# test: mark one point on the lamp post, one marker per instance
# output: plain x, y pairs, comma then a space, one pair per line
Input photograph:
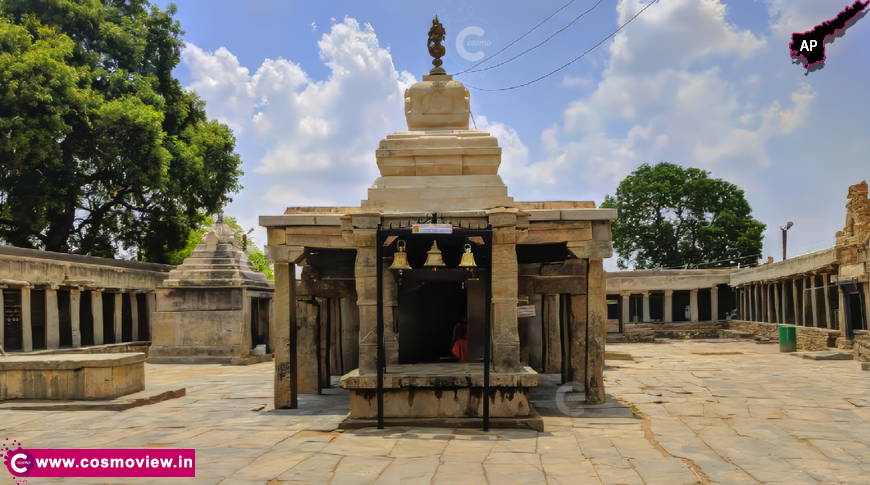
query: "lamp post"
785, 236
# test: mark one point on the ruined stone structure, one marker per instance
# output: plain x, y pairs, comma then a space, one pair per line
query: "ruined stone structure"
52, 301
213, 308
825, 293
548, 255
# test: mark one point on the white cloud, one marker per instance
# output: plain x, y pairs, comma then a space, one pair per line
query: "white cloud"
660, 99
318, 137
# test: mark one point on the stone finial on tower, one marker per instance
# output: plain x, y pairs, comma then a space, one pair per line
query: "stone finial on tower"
436, 50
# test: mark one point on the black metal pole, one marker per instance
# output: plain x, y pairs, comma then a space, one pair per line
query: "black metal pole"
380, 345
487, 325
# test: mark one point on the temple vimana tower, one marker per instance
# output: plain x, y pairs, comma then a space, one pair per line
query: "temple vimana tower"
361, 311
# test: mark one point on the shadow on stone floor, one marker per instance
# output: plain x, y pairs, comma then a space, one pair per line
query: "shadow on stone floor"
553, 399
333, 401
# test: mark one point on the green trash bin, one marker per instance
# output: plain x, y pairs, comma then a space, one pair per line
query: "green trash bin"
787, 338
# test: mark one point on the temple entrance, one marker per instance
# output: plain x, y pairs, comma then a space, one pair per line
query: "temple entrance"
428, 314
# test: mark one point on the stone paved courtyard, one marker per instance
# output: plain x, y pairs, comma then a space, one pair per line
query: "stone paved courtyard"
709, 412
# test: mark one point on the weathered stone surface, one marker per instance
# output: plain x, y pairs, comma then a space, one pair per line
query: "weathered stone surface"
596, 333
308, 347
824, 355
71, 376
433, 403
553, 340
285, 335
39, 267
591, 249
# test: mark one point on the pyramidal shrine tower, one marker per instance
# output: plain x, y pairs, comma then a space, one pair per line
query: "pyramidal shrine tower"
357, 314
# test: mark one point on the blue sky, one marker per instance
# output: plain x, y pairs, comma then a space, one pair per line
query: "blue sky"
311, 87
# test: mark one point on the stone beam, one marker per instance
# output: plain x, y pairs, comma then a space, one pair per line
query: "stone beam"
795, 266
591, 249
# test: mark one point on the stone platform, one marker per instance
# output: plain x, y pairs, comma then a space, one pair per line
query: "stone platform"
441, 390
71, 376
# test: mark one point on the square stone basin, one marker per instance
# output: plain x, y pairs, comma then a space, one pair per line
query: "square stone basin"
71, 376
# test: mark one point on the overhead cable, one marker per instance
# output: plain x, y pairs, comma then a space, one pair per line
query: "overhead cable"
518, 38
530, 49
572, 61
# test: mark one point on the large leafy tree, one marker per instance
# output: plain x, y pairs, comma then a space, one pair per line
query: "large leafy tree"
670, 216
101, 150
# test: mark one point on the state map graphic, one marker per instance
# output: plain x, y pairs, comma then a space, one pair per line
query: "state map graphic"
810, 45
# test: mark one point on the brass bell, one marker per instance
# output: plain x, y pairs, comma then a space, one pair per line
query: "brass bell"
400, 257
467, 258
434, 257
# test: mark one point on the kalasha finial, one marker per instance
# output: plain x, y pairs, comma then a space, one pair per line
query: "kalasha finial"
436, 50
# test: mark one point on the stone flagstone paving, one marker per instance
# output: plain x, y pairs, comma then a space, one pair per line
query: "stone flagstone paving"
708, 412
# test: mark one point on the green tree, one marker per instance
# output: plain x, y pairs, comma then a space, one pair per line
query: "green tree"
670, 216
101, 150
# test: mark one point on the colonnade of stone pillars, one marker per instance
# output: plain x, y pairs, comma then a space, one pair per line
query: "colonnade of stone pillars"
769, 302
52, 316
668, 308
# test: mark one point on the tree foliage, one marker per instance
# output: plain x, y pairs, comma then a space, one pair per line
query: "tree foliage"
670, 216
100, 147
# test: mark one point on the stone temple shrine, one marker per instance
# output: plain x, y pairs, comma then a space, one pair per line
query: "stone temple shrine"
359, 311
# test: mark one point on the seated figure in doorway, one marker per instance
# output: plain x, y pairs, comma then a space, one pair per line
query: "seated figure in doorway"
459, 345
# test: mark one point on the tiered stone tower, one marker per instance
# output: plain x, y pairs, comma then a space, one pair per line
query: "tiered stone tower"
213, 308
439, 163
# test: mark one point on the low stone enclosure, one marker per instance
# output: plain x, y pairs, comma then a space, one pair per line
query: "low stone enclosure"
52, 301
71, 377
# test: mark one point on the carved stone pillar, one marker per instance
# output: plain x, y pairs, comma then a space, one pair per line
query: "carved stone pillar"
284, 326
391, 302
75, 299
597, 332
26, 323
552, 312
119, 304
97, 313
134, 312
693, 302
646, 317
52, 320
714, 303
669, 306
505, 330
626, 308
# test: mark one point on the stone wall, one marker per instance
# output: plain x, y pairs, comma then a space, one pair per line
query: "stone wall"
809, 339
861, 346
42, 267
815, 339
648, 332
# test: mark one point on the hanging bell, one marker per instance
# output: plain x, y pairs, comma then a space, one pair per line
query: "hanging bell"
434, 257
400, 258
467, 258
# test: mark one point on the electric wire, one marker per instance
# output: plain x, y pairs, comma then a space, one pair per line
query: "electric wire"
532, 48
518, 38
572, 61
756, 256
